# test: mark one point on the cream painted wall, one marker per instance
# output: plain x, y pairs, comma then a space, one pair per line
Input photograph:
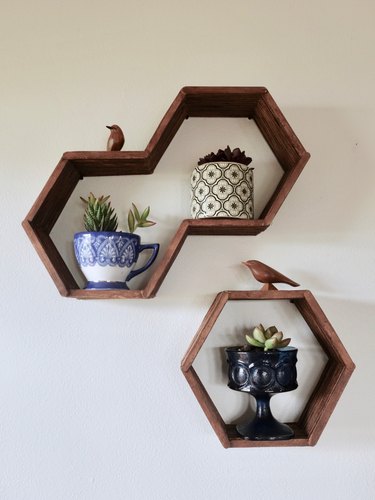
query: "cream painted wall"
92, 401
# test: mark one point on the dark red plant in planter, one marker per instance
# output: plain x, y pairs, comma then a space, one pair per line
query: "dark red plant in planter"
236, 156
222, 185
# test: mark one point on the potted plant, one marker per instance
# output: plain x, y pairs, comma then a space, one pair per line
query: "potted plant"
264, 367
107, 256
222, 185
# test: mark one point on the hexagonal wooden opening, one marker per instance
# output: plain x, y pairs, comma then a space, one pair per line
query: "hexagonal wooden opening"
324, 397
250, 102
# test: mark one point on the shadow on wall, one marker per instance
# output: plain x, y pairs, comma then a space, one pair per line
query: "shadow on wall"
333, 189
351, 421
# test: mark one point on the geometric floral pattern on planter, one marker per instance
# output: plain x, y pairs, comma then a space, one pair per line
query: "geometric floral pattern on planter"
255, 103
222, 189
326, 393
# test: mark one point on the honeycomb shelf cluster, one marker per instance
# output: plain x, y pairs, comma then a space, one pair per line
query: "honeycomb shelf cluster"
254, 103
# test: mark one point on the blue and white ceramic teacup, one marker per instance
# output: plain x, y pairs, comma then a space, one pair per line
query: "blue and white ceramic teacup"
107, 258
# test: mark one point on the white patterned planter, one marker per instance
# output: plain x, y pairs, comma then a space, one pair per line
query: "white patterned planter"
222, 189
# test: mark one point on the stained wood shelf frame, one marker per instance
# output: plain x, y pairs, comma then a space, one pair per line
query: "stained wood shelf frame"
326, 393
255, 103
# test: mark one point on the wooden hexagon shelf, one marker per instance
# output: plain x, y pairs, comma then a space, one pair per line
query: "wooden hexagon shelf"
326, 394
250, 102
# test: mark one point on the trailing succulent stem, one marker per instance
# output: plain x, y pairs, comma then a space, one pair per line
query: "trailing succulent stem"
99, 215
267, 339
136, 219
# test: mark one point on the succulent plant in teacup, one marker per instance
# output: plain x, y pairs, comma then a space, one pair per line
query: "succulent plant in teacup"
267, 338
100, 215
107, 256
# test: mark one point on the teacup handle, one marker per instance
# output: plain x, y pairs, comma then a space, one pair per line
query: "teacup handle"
151, 246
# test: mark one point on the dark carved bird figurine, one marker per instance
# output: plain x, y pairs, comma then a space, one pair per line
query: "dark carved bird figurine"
266, 274
116, 139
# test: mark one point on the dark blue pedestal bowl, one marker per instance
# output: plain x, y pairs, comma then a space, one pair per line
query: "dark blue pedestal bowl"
263, 374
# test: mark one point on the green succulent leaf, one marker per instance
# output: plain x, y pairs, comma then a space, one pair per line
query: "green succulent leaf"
102, 199
270, 344
146, 213
131, 221
258, 334
146, 223
136, 213
270, 331
253, 341
284, 342
278, 336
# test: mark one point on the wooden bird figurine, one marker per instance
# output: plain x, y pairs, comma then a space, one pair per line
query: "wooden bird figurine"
116, 138
267, 275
